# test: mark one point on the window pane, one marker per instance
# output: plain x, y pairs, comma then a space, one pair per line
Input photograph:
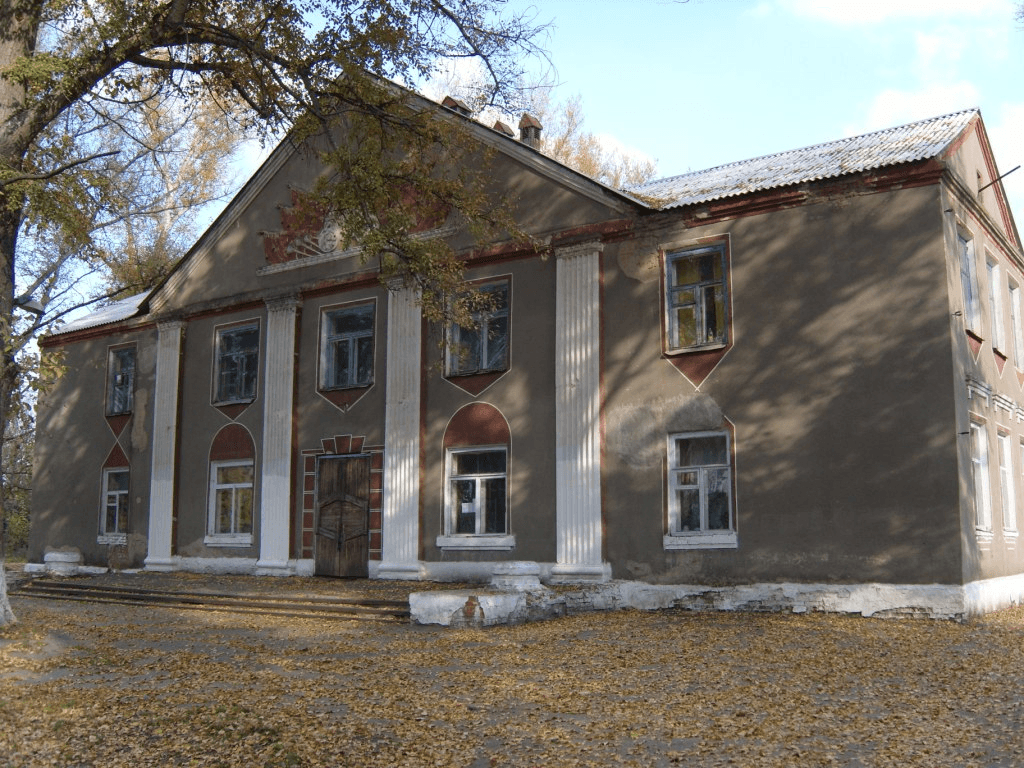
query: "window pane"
718, 499
466, 351
122, 513
224, 497
689, 510
364, 372
464, 492
494, 492
497, 344
110, 525
686, 479
117, 481
235, 474
714, 314
686, 327
243, 498
354, 320
700, 451
479, 463
341, 363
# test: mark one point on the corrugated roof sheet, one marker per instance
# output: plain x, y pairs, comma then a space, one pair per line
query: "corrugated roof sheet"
904, 144
121, 309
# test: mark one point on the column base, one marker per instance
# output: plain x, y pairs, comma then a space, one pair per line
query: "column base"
160, 564
576, 573
399, 571
273, 568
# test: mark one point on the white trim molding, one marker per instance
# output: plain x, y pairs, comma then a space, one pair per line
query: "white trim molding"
275, 471
400, 512
577, 414
165, 428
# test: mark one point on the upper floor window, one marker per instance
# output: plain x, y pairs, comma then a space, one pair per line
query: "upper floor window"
482, 348
969, 281
700, 508
120, 381
995, 302
237, 360
114, 517
696, 299
1015, 326
346, 359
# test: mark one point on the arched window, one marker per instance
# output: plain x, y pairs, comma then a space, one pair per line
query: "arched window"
477, 446
232, 488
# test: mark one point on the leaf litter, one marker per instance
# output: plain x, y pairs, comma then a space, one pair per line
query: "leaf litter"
100, 685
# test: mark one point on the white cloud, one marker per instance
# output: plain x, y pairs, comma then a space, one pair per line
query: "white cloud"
875, 11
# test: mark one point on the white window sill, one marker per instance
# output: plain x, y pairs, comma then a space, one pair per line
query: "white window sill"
1010, 533
483, 541
228, 540
112, 538
721, 540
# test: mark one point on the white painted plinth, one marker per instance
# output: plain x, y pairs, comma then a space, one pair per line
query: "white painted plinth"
517, 576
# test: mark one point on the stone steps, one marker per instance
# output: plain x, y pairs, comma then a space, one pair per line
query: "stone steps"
284, 604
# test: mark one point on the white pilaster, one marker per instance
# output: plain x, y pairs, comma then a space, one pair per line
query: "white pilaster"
400, 532
165, 432
577, 415
275, 472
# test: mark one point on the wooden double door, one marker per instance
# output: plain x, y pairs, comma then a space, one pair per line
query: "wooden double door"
343, 516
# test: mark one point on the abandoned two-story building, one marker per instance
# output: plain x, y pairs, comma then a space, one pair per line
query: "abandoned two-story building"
803, 369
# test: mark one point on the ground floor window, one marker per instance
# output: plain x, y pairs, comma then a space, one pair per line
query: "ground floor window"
476, 499
979, 473
700, 497
231, 503
114, 516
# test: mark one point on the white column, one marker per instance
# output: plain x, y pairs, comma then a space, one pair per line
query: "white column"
275, 471
577, 415
400, 522
165, 433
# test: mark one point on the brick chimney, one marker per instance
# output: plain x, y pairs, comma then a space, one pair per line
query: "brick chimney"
529, 131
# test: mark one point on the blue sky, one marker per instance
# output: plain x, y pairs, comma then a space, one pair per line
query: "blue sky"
705, 82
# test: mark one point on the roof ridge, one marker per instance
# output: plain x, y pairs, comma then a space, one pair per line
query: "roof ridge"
846, 140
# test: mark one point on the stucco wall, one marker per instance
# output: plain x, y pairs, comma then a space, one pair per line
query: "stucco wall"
74, 439
839, 385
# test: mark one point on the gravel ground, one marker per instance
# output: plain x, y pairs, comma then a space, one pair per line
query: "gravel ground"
98, 685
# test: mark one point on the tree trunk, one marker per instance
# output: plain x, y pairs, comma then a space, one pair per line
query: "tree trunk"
6, 614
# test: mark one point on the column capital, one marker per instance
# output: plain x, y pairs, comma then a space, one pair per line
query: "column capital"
170, 326
588, 248
283, 304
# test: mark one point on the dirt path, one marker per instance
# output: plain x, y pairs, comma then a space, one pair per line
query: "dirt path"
96, 685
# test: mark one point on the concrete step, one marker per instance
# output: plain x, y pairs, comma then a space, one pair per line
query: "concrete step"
284, 604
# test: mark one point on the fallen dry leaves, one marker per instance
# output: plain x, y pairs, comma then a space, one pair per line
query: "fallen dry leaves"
97, 685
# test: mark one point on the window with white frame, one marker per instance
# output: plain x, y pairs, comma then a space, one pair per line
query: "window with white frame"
969, 281
346, 356
700, 500
231, 503
482, 348
979, 473
696, 298
1007, 493
237, 362
115, 513
995, 302
1015, 326
120, 380
476, 495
